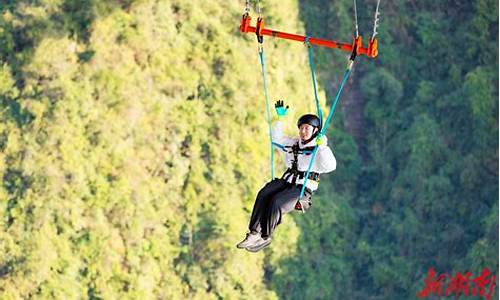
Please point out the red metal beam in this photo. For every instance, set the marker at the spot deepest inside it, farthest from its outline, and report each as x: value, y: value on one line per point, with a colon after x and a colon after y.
x: 370, y: 51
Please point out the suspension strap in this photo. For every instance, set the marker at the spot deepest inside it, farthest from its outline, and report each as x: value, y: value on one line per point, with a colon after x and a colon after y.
x: 258, y: 30
x: 260, y: 24
x: 268, y: 111
x: 313, y: 79
x: 330, y: 115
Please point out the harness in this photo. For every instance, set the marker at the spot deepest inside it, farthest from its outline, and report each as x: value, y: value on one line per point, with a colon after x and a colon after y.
x: 293, y: 171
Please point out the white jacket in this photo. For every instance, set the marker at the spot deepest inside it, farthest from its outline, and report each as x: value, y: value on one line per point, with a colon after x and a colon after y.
x: 324, y: 162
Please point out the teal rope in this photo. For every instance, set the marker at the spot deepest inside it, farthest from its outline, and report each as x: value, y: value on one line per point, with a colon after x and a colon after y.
x: 323, y: 129
x: 337, y: 97
x: 313, y: 78
x: 268, y: 111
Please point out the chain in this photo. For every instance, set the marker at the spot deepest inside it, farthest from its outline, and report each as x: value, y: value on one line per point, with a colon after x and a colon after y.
x: 247, y: 8
x: 376, y: 21
x: 356, y: 19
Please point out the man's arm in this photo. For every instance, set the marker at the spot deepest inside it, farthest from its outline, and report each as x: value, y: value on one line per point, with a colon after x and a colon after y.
x: 325, y: 159
x: 277, y: 131
x: 278, y: 137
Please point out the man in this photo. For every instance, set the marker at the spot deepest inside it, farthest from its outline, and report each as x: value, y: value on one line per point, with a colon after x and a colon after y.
x: 280, y: 196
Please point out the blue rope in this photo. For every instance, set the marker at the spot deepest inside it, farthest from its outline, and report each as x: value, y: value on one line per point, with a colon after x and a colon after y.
x: 313, y: 78
x: 337, y: 97
x: 323, y: 129
x: 279, y: 146
x: 268, y: 112
x: 284, y: 148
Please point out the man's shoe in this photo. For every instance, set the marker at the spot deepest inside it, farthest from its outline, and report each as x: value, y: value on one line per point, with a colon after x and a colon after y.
x: 249, y: 240
x: 259, y: 245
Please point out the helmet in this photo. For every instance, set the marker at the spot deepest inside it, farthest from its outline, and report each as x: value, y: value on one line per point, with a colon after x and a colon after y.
x: 312, y: 120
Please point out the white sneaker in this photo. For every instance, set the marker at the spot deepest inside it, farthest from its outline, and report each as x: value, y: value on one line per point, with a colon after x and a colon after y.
x: 250, y: 239
x: 259, y: 245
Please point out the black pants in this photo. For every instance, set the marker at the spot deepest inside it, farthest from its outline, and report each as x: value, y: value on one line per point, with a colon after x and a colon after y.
x: 275, y: 199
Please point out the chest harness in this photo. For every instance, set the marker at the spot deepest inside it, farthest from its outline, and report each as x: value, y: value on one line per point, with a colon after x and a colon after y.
x: 293, y: 172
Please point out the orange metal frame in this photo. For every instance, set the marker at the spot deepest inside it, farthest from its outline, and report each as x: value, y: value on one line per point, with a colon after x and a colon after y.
x: 371, y: 51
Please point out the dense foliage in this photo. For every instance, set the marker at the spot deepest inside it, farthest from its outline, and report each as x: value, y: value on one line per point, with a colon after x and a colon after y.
x: 133, y: 141
x: 422, y: 188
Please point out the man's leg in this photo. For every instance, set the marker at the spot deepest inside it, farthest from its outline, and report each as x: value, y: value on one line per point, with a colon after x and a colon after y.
x: 261, y: 205
x: 281, y: 204
x: 263, y: 201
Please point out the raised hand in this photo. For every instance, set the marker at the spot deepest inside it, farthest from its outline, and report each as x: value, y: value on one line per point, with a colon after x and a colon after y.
x: 281, y: 110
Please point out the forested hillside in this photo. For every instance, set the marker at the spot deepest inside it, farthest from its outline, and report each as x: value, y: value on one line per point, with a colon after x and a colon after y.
x: 133, y: 142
